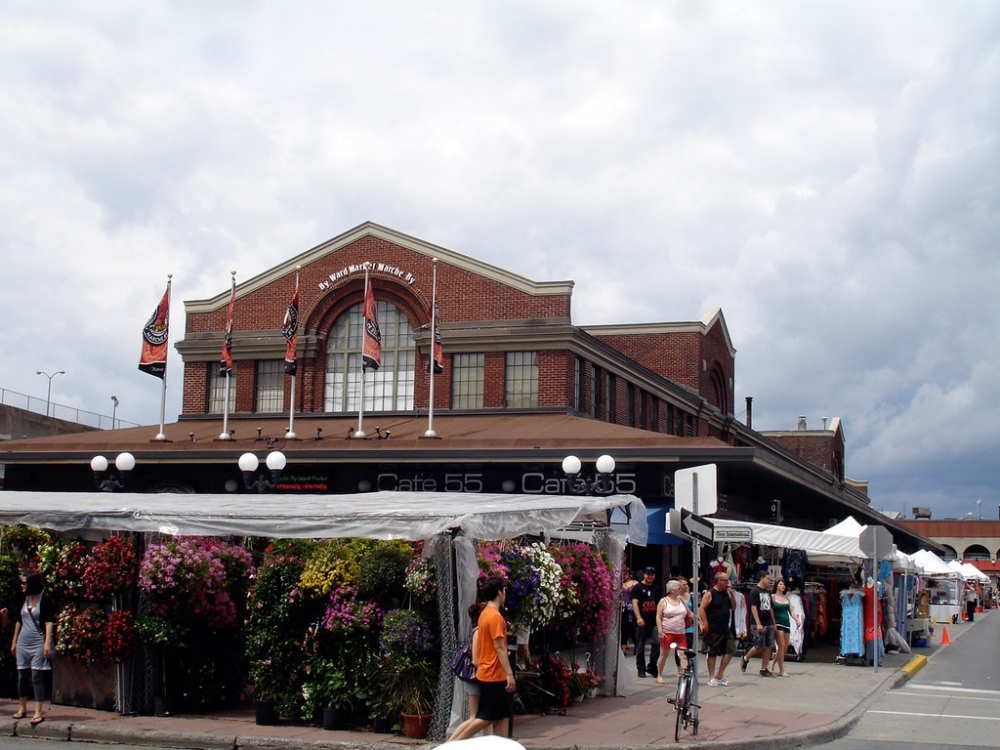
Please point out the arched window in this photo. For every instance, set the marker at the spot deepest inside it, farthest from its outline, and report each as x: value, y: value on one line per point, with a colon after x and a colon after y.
x: 949, y: 552
x: 390, y: 388
x: 976, y: 552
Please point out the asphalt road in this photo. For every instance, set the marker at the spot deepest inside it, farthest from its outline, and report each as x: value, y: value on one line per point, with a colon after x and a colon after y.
x: 952, y: 702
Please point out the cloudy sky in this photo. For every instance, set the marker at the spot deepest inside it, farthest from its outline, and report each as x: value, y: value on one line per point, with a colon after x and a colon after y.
x: 826, y: 172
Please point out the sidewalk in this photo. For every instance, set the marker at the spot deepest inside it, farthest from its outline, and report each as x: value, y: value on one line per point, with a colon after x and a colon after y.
x: 820, y: 701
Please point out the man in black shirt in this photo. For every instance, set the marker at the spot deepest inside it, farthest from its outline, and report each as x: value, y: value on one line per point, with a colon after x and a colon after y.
x: 645, y: 597
x: 762, y: 623
x: 715, y: 617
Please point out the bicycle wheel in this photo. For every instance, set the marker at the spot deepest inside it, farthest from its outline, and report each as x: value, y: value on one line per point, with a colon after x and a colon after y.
x: 681, y: 705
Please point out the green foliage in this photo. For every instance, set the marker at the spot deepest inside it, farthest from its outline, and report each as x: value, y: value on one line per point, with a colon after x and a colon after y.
x: 382, y: 571
x: 413, y: 684
x: 330, y: 565
x: 22, y: 541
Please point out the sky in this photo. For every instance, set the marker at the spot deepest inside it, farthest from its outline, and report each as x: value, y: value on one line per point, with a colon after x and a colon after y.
x: 828, y: 173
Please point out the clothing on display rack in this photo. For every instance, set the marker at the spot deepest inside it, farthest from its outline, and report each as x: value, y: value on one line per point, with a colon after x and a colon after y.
x: 852, y: 642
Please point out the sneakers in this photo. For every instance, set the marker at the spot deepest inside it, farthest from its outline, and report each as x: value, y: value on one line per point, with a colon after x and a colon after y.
x: 766, y: 673
x: 744, y: 663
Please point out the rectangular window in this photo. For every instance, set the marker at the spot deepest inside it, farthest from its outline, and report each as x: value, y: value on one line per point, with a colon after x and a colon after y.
x: 595, y: 391
x: 269, y: 395
x: 521, y: 380
x: 578, y: 384
x: 610, y: 388
x: 217, y: 389
x: 467, y: 377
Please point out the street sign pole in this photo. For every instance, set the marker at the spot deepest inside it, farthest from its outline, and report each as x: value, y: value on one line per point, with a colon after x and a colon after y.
x: 696, y: 563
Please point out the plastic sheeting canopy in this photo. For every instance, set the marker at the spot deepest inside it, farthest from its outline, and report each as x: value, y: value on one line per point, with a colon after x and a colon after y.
x: 375, y: 515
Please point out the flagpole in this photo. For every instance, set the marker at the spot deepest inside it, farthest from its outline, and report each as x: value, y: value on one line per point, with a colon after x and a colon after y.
x: 360, y: 432
x: 433, y: 352
x: 229, y: 373
x: 291, y: 403
x: 161, y: 435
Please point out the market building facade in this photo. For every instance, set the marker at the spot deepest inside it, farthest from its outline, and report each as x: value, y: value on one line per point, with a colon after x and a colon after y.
x: 521, y: 388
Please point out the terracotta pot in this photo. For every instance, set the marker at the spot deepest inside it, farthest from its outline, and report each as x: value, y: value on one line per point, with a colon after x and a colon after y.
x: 416, y: 726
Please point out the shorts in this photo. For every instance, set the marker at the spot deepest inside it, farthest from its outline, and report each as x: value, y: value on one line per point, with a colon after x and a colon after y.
x: 471, y: 687
x: 679, y: 638
x: 764, y: 640
x: 720, y: 643
x: 783, y: 628
x: 494, y: 703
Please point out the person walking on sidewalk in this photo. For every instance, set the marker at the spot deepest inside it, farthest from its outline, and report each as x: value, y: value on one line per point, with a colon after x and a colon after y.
x: 494, y: 673
x: 783, y: 616
x: 762, y: 614
x: 715, y: 617
x: 671, y: 619
x: 628, y: 616
x: 645, y: 597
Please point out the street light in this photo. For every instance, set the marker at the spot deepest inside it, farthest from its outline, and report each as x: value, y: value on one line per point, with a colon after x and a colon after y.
x: 48, y: 398
x: 108, y: 482
x: 114, y: 410
x: 580, y: 485
x: 248, y: 465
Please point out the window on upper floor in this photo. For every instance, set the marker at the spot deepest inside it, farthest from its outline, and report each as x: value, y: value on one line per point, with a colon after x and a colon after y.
x: 269, y: 391
x: 467, y: 378
x: 390, y: 388
x: 217, y: 389
x: 521, y: 380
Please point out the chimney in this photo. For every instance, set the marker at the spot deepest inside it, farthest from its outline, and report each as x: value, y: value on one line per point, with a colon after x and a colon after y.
x: 802, y: 421
x: 749, y: 412
x: 824, y: 422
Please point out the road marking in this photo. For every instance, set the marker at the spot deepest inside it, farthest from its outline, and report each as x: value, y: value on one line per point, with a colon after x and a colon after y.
x: 952, y: 697
x: 937, y: 716
x: 941, y: 688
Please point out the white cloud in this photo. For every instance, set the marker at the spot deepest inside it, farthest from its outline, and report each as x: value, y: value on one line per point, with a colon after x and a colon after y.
x: 826, y: 173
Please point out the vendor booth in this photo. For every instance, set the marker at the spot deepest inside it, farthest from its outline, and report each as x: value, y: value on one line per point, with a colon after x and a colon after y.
x: 447, y: 523
x: 940, y: 587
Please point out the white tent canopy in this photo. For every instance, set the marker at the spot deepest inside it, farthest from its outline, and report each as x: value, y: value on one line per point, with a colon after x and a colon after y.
x: 822, y: 548
x: 971, y: 571
x: 848, y: 527
x: 376, y: 515
x: 929, y: 564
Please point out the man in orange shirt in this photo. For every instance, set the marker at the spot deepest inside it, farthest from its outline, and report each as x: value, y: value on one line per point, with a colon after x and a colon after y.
x: 494, y: 673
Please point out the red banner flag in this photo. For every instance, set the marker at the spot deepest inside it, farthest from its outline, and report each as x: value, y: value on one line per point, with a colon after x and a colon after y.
x: 290, y: 330
x: 226, y: 363
x: 371, y: 347
x: 154, y: 339
x: 437, y: 358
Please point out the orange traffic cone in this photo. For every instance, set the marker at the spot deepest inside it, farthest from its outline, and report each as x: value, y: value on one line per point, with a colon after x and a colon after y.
x: 963, y: 615
x: 945, y: 640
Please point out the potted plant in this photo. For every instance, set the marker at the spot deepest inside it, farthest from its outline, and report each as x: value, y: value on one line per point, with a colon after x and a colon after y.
x: 331, y: 691
x: 380, y: 703
x: 413, y: 686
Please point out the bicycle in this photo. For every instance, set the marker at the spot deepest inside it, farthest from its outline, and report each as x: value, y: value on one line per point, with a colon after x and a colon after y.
x: 683, y: 700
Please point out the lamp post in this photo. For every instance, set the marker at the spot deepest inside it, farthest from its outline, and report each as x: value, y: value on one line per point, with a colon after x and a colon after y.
x: 114, y: 410
x: 601, y: 484
x: 248, y: 463
x: 105, y: 482
x: 48, y: 398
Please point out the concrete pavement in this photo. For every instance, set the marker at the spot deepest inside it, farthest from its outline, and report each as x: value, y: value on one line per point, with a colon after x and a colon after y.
x: 820, y: 701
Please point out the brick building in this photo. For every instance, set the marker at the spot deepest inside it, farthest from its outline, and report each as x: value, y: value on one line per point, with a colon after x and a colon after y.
x: 521, y: 388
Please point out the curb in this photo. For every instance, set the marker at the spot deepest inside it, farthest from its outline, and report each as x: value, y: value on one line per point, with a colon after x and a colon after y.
x: 914, y: 665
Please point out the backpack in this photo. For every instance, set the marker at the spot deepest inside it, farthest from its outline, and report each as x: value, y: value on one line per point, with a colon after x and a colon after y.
x: 461, y: 663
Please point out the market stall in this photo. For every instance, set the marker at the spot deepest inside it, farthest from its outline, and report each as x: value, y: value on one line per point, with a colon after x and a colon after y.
x: 943, y: 587
x: 447, y: 523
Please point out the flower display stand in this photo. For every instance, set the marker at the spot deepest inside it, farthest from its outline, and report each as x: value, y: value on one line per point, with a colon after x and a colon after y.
x: 83, y: 684
x: 416, y: 726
